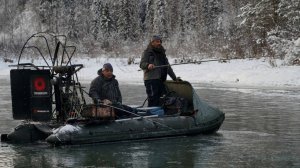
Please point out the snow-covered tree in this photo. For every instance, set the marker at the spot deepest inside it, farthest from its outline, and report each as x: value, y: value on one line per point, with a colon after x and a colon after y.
x: 257, y: 20
x: 95, y: 22
x: 106, y: 22
x: 127, y: 21
x: 284, y: 39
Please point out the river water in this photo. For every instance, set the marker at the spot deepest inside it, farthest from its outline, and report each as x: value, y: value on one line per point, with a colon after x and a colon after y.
x: 261, y: 129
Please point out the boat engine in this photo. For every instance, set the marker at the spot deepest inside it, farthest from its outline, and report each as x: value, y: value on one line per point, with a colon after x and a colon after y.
x: 31, y: 93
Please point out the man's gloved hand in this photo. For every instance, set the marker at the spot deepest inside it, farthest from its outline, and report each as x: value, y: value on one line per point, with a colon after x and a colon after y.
x: 107, y: 102
x: 178, y: 79
x: 151, y: 66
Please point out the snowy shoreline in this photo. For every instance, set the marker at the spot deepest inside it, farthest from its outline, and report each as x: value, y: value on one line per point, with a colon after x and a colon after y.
x: 256, y: 73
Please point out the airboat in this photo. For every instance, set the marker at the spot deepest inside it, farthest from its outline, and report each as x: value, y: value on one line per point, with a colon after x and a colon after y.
x: 51, y: 102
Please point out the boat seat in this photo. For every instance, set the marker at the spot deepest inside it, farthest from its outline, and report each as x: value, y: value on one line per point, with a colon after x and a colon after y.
x: 182, y: 89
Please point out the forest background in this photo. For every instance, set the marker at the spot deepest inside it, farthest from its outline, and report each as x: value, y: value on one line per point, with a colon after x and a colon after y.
x: 190, y: 28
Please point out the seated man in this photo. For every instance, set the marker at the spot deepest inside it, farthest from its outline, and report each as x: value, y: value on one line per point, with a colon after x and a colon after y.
x: 105, y: 90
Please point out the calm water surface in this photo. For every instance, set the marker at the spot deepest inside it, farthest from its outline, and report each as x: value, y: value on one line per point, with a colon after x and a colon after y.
x: 261, y: 129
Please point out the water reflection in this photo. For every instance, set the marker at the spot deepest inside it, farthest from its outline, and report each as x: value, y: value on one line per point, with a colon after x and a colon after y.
x: 171, y: 152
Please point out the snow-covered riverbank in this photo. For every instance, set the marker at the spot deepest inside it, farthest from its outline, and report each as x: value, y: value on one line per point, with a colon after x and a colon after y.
x: 236, y: 73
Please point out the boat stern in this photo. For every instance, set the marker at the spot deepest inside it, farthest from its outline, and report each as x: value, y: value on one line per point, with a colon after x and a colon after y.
x: 26, y: 133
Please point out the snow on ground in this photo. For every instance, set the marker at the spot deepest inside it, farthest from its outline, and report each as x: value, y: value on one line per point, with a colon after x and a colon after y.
x: 254, y: 73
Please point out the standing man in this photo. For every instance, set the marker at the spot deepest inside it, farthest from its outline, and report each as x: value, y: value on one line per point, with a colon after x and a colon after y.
x: 154, y: 76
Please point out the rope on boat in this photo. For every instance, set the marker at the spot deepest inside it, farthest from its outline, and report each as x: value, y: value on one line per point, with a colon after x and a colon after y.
x: 164, y: 125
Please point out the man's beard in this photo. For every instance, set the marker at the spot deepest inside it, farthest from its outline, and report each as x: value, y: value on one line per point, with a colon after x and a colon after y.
x: 159, y: 49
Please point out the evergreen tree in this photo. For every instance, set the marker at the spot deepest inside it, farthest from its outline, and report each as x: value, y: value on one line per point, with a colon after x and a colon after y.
x: 128, y: 20
x: 149, y: 18
x: 283, y: 37
x: 160, y: 19
x: 106, y: 22
x: 95, y: 22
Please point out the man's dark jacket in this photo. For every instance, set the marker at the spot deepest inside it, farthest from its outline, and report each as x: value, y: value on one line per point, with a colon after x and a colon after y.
x: 157, y: 57
x: 104, y: 88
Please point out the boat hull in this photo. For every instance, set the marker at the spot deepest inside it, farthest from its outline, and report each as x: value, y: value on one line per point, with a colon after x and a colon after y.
x: 29, y: 132
x: 132, y: 129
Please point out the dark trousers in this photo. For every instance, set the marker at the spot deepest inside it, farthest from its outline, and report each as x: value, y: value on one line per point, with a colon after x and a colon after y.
x: 155, y: 88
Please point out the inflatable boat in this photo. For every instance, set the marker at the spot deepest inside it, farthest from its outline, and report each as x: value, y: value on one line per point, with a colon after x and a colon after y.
x: 51, y: 102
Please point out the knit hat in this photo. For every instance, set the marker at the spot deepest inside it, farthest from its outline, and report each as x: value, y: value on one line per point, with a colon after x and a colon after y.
x: 107, y: 66
x: 156, y: 37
